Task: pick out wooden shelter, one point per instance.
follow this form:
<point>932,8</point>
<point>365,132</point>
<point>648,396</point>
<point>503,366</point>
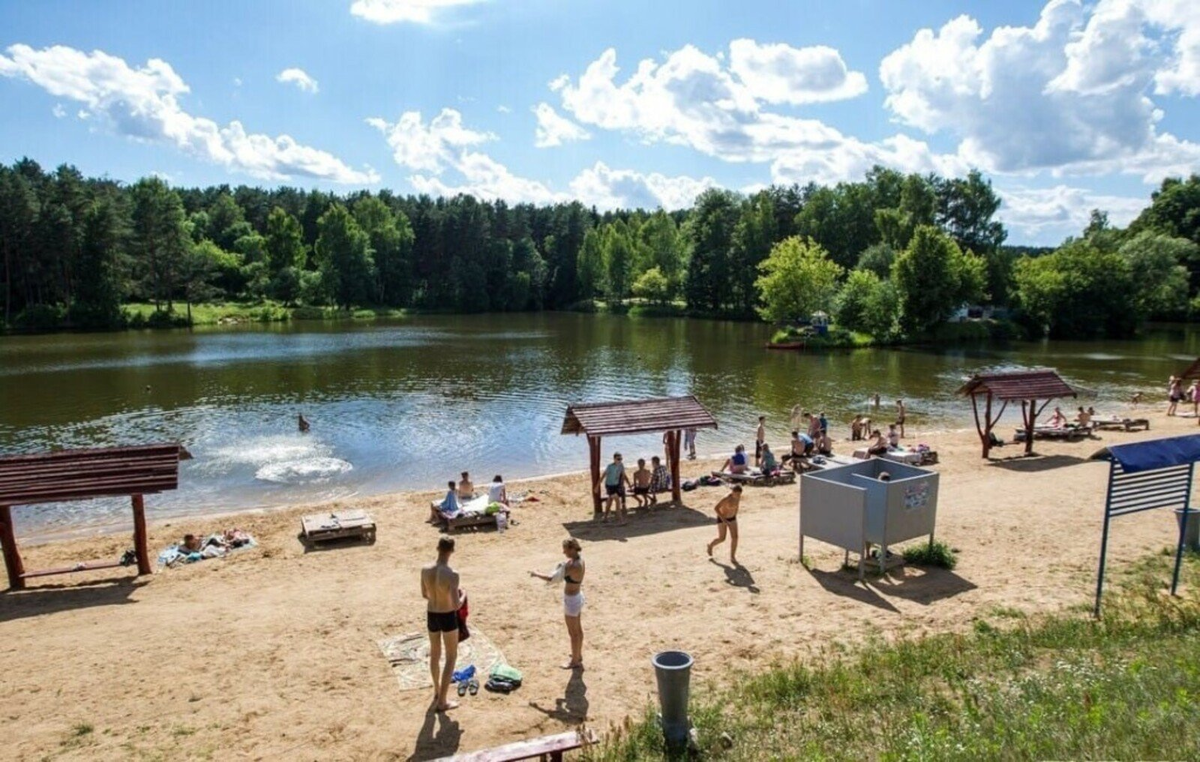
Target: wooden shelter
<point>1028,386</point>
<point>1192,372</point>
<point>56,477</point>
<point>668,414</point>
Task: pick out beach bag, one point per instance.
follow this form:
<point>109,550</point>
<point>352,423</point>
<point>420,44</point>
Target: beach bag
<point>494,508</point>
<point>688,485</point>
<point>463,612</point>
<point>506,672</point>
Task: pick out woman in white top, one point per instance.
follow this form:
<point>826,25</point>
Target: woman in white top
<point>496,491</point>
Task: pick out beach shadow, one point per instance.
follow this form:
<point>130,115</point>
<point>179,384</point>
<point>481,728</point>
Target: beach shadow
<point>1029,465</point>
<point>52,599</point>
<point>738,576</point>
<point>665,517</point>
<point>922,585</point>
<point>440,736</point>
<point>572,708</point>
<point>845,583</point>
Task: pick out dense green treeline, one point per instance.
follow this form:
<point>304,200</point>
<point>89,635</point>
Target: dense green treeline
<point>890,256</point>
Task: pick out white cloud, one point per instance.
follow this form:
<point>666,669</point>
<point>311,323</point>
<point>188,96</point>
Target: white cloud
<point>143,103</point>
<point>58,111</point>
<point>1067,95</point>
<point>1052,214</point>
<point>693,99</point>
<point>554,129</point>
<point>626,189</point>
<point>778,73</point>
<point>398,11</point>
<point>444,146</point>
<point>300,78</point>
<point>503,109</point>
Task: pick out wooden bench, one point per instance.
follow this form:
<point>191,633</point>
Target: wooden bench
<point>323,527</point>
<point>1126,424</point>
<point>549,748</point>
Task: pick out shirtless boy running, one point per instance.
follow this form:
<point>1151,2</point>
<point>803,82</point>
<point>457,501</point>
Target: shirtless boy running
<point>727,510</point>
<point>439,586</point>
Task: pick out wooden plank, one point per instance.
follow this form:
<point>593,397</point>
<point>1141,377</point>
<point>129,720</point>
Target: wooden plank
<point>80,567</point>
<point>12,556</point>
<point>551,746</point>
<point>139,536</point>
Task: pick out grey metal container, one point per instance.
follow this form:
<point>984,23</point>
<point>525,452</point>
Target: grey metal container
<point>1191,533</point>
<point>673,671</point>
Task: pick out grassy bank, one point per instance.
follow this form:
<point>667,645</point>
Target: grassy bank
<point>1057,687</point>
<point>231,313</point>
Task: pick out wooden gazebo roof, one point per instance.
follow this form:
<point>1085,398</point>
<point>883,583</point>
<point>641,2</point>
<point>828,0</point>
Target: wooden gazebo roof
<point>1193,371</point>
<point>1019,385</point>
<point>637,416</point>
<point>81,474</point>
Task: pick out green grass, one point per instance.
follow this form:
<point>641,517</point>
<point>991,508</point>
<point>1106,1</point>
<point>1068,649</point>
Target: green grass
<point>229,313</point>
<point>936,553</point>
<point>1052,687</point>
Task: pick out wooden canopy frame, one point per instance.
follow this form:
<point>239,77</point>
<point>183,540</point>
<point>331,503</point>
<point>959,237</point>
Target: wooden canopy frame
<point>1028,386</point>
<point>56,477</point>
<point>667,414</point>
<point>1192,372</point>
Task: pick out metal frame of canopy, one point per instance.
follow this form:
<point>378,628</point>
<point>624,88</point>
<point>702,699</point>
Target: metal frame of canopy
<point>1144,476</point>
<point>1028,386</point>
<point>56,477</point>
<point>667,414</point>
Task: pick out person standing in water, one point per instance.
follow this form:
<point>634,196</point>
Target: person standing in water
<point>900,416</point>
<point>689,442</point>
<point>303,423</point>
<point>439,587</point>
<point>760,436</point>
<point>727,511</point>
<point>571,573</point>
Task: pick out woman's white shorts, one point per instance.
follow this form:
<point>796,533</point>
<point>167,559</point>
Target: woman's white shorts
<point>573,604</point>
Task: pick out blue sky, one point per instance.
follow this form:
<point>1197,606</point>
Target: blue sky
<point>1066,106</point>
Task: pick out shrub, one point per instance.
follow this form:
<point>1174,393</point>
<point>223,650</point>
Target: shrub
<point>936,553</point>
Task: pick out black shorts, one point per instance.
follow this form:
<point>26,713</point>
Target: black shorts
<point>758,450</point>
<point>615,489</point>
<point>641,490</point>
<point>727,521</point>
<point>444,622</point>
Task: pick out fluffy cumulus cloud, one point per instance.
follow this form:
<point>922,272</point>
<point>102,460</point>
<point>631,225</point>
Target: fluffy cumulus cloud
<point>298,77</point>
<point>626,189</point>
<point>1050,214</point>
<point>777,73</point>
<point>553,129</point>
<point>445,157</point>
<point>143,103</point>
<point>1069,94</point>
<point>723,110</point>
<point>400,11</point>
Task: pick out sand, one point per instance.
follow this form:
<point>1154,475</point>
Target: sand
<point>271,653</point>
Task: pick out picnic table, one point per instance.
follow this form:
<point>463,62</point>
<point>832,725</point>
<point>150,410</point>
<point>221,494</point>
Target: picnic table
<point>323,527</point>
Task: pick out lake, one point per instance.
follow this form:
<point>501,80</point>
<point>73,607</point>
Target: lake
<point>408,404</point>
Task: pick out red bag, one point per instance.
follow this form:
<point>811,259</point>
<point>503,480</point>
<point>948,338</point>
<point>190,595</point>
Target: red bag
<point>463,632</point>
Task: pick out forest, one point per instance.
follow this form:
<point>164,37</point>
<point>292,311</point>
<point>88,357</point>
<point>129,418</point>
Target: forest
<point>891,256</point>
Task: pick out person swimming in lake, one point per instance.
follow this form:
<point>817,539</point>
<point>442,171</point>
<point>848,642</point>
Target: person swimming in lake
<point>303,424</point>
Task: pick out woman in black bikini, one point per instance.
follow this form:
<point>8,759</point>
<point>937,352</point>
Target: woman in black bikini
<point>727,511</point>
<point>572,572</point>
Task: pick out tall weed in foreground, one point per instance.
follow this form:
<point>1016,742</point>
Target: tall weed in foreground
<point>1056,687</point>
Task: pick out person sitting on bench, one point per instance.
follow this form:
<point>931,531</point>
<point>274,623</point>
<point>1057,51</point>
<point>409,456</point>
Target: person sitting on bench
<point>769,465</point>
<point>879,446</point>
<point>736,464</point>
<point>448,508</point>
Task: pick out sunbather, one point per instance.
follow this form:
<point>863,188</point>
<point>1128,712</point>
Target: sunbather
<point>769,464</point>
<point>1058,420</point>
<point>496,491</point>
<point>879,446</point>
<point>802,447</point>
<point>448,508</point>
<point>444,598</point>
<point>1083,417</point>
<point>570,573</point>
<point>824,445</point>
<point>856,428</point>
<point>466,490</point>
<point>641,484</point>
<point>737,463</point>
<point>893,436</point>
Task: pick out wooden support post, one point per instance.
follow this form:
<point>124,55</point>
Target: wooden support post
<point>676,438</point>
<point>1030,418</point>
<point>12,556</point>
<point>594,447</point>
<point>139,536</point>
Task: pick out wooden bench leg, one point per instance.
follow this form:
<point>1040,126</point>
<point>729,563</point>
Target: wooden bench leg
<point>139,536</point>
<point>12,556</point>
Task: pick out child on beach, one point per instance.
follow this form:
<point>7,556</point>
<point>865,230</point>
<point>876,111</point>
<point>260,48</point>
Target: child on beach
<point>641,484</point>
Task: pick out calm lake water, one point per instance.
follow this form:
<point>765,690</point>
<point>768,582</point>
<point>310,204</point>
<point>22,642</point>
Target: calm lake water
<point>409,403</point>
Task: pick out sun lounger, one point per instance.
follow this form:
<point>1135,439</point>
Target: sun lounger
<point>472,514</point>
<point>1069,432</point>
<point>322,527</point>
<point>912,457</point>
<point>757,478</point>
<point>1119,423</point>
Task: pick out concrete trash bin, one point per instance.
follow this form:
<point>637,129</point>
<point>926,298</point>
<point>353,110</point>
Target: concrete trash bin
<point>1191,533</point>
<point>673,672</point>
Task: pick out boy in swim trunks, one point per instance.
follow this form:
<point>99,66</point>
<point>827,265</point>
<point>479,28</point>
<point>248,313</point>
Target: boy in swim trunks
<point>439,586</point>
<point>727,510</point>
<point>641,484</point>
<point>615,479</point>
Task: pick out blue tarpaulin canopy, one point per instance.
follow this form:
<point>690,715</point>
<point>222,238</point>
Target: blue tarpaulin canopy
<point>1156,453</point>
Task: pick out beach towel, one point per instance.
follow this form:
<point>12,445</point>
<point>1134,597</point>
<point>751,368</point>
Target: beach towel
<point>408,656</point>
<point>463,611</point>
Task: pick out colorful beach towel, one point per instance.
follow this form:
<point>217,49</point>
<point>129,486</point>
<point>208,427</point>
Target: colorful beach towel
<point>408,656</point>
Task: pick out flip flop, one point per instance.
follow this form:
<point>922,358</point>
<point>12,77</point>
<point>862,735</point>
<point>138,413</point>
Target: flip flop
<point>462,688</point>
<point>473,687</point>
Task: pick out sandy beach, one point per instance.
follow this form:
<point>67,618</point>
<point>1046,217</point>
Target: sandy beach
<point>272,652</point>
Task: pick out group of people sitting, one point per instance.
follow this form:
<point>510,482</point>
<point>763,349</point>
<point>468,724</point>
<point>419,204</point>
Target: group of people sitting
<point>1083,418</point>
<point>195,548</point>
<point>457,495</point>
<point>645,484</point>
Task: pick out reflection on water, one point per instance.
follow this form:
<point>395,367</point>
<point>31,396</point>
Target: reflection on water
<point>410,403</point>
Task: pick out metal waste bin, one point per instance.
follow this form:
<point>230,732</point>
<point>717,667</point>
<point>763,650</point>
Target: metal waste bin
<point>1191,533</point>
<point>673,671</point>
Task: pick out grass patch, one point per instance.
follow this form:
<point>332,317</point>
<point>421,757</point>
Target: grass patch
<point>936,553</point>
<point>1054,687</point>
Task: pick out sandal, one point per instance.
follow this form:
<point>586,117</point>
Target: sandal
<point>462,688</point>
<point>473,686</point>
